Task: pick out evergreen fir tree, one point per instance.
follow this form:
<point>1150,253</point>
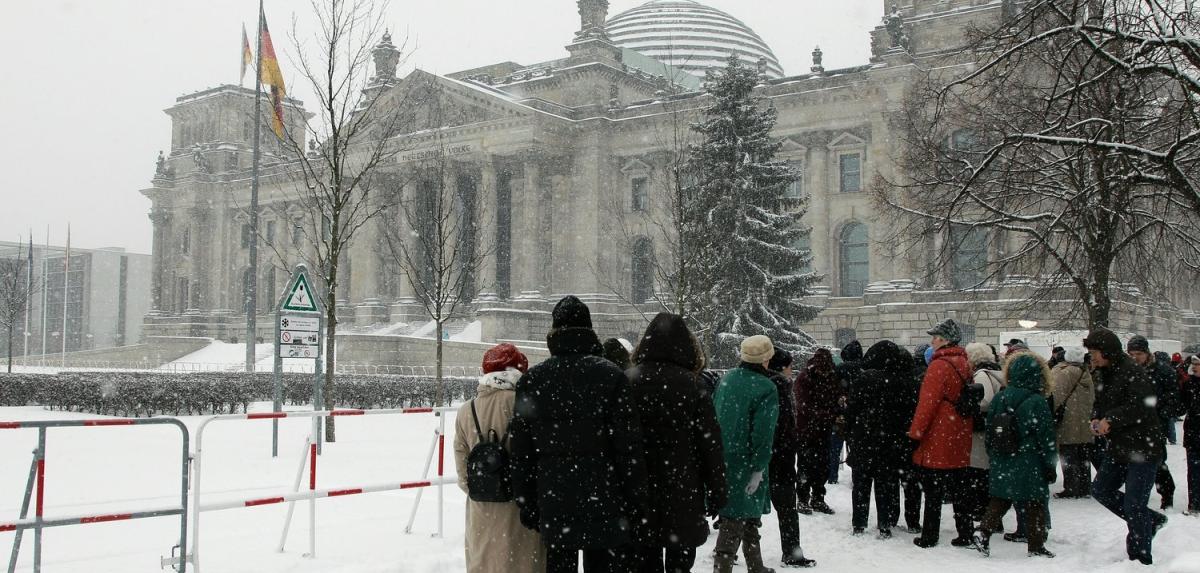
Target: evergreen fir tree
<point>734,215</point>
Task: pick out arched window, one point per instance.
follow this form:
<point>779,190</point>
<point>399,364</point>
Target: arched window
<point>642,270</point>
<point>853,259</point>
<point>969,262</point>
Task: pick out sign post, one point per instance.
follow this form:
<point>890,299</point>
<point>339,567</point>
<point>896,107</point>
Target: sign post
<point>298,334</point>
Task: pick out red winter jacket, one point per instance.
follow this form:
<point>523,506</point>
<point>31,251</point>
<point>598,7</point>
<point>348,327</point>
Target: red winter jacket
<point>944,437</point>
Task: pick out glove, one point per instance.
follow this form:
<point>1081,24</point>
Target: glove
<point>530,519</point>
<point>755,481</point>
<point>1050,475</point>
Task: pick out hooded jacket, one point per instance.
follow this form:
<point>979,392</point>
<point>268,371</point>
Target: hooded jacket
<point>988,375</point>
<point>944,436</point>
<point>877,415</point>
<point>818,394</point>
<point>578,471</point>
<point>686,465</point>
<point>1021,476</point>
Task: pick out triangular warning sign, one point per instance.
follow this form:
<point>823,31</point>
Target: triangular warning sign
<point>300,296</point>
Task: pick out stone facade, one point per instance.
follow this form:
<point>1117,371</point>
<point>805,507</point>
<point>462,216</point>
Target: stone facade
<point>562,161</point>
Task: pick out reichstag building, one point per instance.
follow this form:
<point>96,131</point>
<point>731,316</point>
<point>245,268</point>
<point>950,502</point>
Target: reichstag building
<point>563,160</point>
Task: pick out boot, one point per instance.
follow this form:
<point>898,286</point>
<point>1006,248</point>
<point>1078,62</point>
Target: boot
<point>819,505</point>
<point>723,562</point>
<point>982,542</point>
<point>752,551</point>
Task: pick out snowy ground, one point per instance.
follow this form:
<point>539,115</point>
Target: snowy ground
<point>98,470</point>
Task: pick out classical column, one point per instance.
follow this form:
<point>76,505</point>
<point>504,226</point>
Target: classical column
<point>159,217</point>
<point>527,225</point>
<point>485,217</point>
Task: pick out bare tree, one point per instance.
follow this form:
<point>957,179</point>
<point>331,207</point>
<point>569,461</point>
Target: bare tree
<point>356,117</point>
<point>438,247</point>
<point>1021,159</point>
<point>1135,42</point>
<point>17,285</point>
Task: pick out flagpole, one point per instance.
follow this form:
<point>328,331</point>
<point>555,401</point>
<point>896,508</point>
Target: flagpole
<point>28,300</point>
<point>251,303</point>
<point>45,293</point>
<point>66,289</point>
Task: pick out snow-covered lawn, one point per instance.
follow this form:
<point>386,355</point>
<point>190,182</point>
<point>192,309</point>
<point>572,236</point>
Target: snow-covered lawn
<point>98,470</point>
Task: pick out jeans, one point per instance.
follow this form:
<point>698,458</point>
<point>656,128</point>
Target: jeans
<point>1077,477</point>
<point>1138,480</point>
<point>1169,428</point>
<point>782,477</point>
<point>835,455</point>
<point>940,485</point>
<point>678,559</point>
<point>566,559</point>
<point>886,486</point>
<point>813,468</point>
<point>1193,477</point>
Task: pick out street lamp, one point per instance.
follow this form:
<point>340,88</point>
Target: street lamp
<point>1027,324</point>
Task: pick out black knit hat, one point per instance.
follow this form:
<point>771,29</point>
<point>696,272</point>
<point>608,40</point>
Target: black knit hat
<point>570,312</point>
<point>1105,341</point>
<point>780,360</point>
<point>1138,343</point>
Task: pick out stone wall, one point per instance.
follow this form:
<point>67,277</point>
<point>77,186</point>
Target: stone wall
<point>413,351</point>
<point>156,351</point>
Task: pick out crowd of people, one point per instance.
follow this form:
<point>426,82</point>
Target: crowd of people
<point>629,456</point>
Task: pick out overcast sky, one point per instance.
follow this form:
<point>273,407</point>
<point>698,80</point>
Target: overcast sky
<point>84,83</point>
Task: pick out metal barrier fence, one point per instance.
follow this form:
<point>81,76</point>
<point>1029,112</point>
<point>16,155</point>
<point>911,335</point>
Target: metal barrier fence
<point>187,367</point>
<point>37,478</point>
<point>437,446</point>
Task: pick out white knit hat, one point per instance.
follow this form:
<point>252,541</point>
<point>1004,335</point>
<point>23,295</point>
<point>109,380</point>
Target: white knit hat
<point>757,349</point>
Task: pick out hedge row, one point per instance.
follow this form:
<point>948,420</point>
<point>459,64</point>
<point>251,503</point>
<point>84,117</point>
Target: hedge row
<point>150,393</point>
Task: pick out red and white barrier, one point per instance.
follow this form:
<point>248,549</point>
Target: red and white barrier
<point>310,456</point>
<point>36,488</point>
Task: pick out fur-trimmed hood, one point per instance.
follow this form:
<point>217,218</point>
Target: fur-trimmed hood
<point>501,379</point>
<point>1032,377</point>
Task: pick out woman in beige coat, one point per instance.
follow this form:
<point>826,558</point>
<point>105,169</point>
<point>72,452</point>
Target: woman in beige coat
<point>1073,389</point>
<point>496,542</point>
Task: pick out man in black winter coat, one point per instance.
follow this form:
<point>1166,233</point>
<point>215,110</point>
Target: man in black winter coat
<point>578,472</point>
<point>782,470</point>
<point>1124,413</point>
<point>1167,403</point>
<point>1191,432</point>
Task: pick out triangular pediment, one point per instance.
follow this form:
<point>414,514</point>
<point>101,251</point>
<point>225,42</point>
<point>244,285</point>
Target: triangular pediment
<point>429,101</point>
<point>847,140</point>
<point>635,166</point>
<point>790,147</point>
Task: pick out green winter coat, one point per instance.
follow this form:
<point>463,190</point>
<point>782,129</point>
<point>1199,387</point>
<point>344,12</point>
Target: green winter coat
<point>1022,477</point>
<point>747,407</point>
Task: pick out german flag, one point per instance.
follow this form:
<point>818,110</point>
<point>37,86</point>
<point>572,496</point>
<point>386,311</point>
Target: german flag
<point>271,76</point>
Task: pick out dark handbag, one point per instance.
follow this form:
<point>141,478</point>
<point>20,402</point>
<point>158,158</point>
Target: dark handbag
<point>1060,410</point>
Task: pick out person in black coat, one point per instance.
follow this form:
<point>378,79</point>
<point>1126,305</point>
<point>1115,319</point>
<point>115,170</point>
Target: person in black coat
<point>578,472</point>
<point>682,443</point>
<point>782,470</point>
<point>877,422</point>
<point>1124,413</point>
<point>1167,404</point>
<point>1191,432</point>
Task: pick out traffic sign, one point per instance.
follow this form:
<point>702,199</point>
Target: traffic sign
<point>305,323</point>
<point>300,297</point>
<point>296,351</point>
<point>301,338</point>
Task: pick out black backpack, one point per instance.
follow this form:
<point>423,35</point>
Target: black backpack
<point>488,474</point>
<point>967,404</point>
<point>1003,436</point>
